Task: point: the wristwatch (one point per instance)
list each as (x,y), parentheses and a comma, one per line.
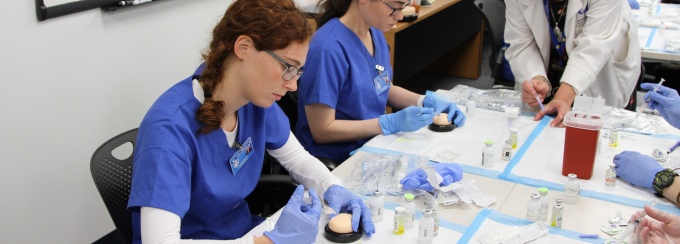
(662,180)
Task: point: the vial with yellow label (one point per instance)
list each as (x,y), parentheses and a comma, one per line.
(399,220)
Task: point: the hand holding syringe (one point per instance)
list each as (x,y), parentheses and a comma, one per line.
(646,104)
(630,229)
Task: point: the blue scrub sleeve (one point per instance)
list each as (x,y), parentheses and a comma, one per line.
(277,127)
(325,74)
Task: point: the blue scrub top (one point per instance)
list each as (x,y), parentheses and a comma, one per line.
(339,72)
(179,170)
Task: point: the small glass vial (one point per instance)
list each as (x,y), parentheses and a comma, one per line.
(398,220)
(558,201)
(571,190)
(534,207)
(545,203)
(513,137)
(377,206)
(435,216)
(470,108)
(506,154)
(426,228)
(487,154)
(614,137)
(409,211)
(610,178)
(556,220)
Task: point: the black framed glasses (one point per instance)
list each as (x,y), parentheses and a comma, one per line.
(290,71)
(394,10)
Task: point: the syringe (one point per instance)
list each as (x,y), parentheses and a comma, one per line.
(633,224)
(646,104)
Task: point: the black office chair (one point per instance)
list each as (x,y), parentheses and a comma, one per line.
(113,177)
(493,12)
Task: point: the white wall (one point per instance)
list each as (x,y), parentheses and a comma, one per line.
(67,85)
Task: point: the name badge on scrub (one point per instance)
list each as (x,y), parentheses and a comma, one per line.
(382,81)
(241,156)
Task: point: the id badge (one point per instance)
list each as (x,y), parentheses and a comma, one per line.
(381,82)
(241,156)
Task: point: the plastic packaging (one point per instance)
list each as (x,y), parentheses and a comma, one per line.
(470,109)
(492,99)
(426,228)
(534,207)
(409,211)
(488,156)
(515,235)
(377,206)
(381,171)
(398,221)
(571,190)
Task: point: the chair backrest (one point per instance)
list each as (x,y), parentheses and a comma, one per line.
(493,12)
(113,177)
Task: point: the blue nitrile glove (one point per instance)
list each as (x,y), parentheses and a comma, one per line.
(342,200)
(408,119)
(299,223)
(450,172)
(418,178)
(432,100)
(666,101)
(634,4)
(639,170)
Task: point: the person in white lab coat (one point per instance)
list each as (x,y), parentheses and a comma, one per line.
(565,48)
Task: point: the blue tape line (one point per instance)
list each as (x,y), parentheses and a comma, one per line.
(442,222)
(629,201)
(667,136)
(650,38)
(533,182)
(520,153)
(474,226)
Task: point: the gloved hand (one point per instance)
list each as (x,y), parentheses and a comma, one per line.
(432,100)
(408,119)
(666,101)
(299,223)
(639,170)
(634,4)
(344,201)
(418,178)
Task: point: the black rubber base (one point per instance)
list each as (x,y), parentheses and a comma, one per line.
(341,238)
(409,18)
(441,128)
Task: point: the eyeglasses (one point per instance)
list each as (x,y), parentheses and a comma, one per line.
(290,72)
(394,10)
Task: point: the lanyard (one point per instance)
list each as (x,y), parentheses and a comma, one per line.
(557,41)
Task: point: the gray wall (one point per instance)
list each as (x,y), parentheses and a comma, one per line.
(67,85)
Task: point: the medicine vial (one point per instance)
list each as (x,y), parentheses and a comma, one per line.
(377,206)
(398,220)
(426,228)
(534,207)
(610,178)
(487,154)
(513,137)
(435,216)
(506,154)
(614,138)
(409,211)
(545,203)
(470,108)
(571,190)
(556,220)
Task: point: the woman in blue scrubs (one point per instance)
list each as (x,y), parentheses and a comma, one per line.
(348,82)
(201,145)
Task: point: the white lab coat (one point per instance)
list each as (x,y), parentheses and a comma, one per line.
(602,44)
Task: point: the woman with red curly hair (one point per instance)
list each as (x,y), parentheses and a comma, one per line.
(201,145)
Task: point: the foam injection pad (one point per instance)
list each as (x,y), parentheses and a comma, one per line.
(342,238)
